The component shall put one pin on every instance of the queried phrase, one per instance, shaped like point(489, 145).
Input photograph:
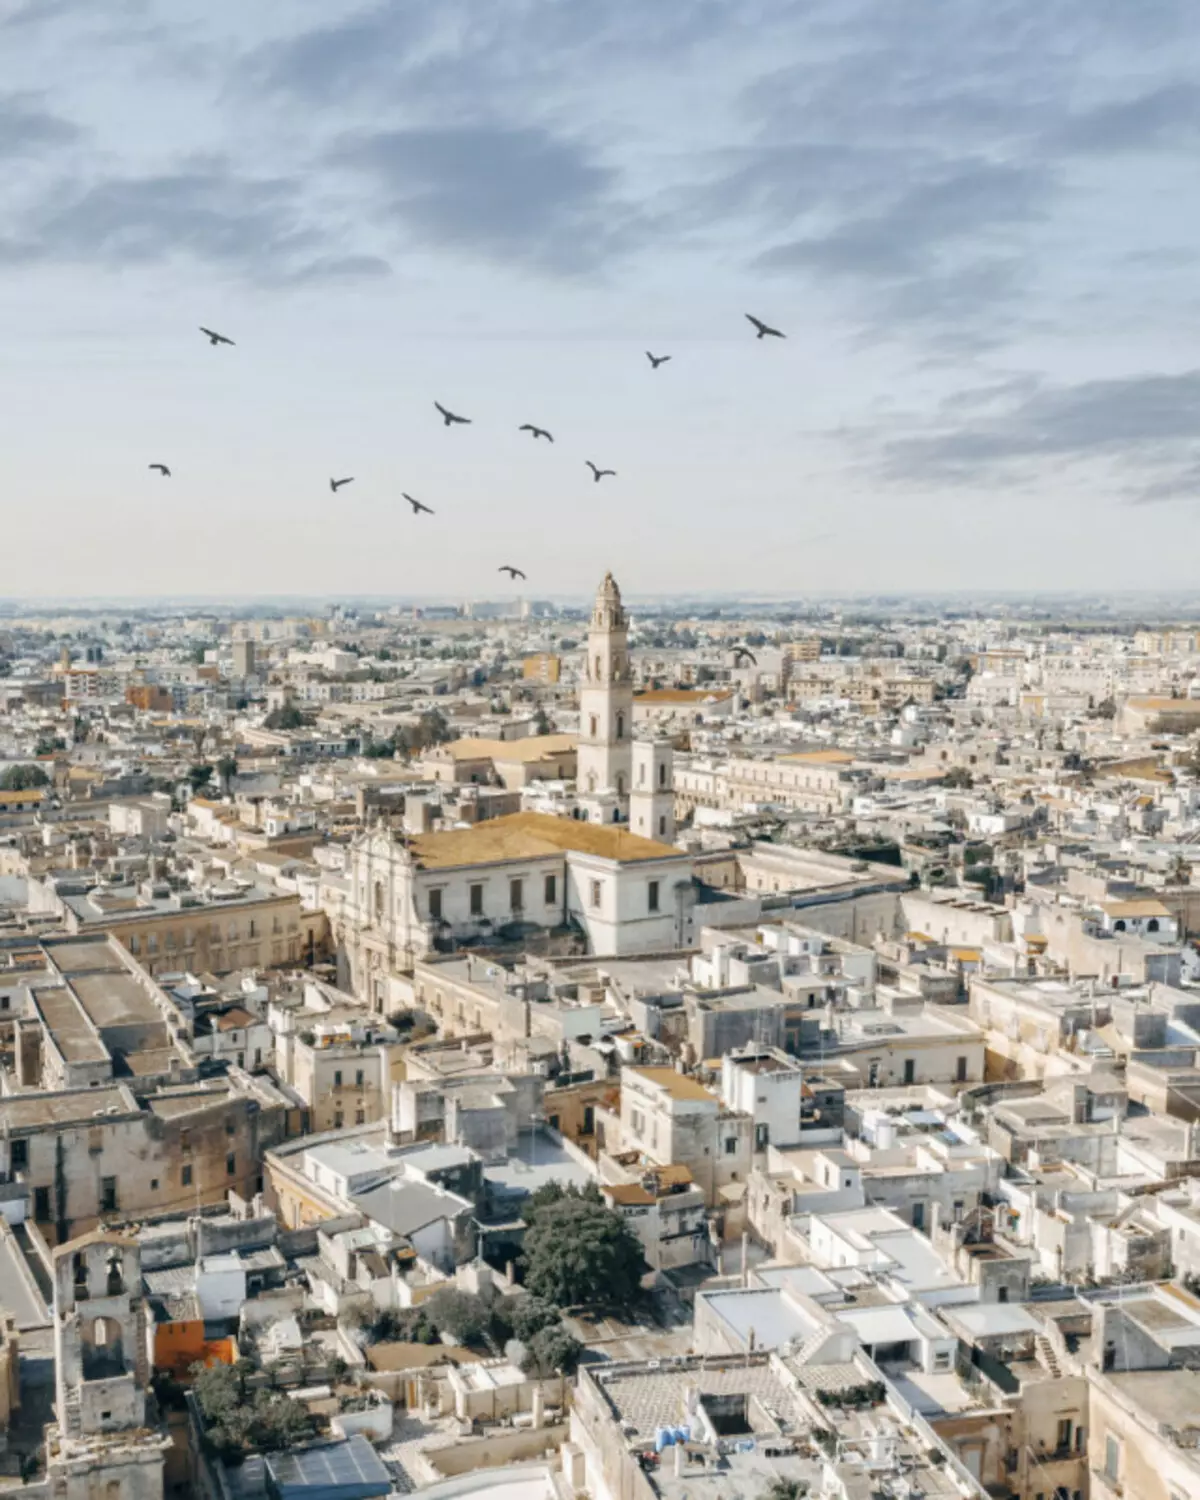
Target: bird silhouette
point(538, 432)
point(510, 570)
point(598, 474)
point(743, 651)
point(336, 484)
point(416, 505)
point(450, 418)
point(216, 338)
point(657, 359)
point(765, 331)
point(162, 469)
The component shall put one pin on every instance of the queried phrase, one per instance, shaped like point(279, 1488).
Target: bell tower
point(606, 710)
point(100, 1443)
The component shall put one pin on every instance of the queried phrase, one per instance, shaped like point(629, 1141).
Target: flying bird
point(765, 331)
point(598, 474)
point(162, 469)
point(416, 505)
point(657, 359)
point(538, 432)
point(510, 570)
point(336, 484)
point(743, 651)
point(449, 417)
point(216, 338)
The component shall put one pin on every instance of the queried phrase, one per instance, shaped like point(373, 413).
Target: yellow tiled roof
point(678, 1085)
point(1144, 908)
point(821, 757)
point(535, 747)
point(530, 835)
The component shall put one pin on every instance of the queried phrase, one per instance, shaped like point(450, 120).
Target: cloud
point(516, 194)
point(1144, 426)
point(251, 227)
point(26, 129)
point(1165, 118)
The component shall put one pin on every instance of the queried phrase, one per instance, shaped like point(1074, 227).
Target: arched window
point(620, 726)
point(1152, 925)
point(598, 669)
point(1119, 925)
point(116, 1274)
point(662, 774)
point(591, 781)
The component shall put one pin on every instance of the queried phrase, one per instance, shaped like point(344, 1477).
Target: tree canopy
point(238, 1421)
point(579, 1251)
point(23, 779)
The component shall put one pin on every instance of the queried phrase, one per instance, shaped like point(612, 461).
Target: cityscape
point(599, 750)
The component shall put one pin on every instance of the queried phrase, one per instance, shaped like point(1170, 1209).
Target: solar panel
point(349, 1470)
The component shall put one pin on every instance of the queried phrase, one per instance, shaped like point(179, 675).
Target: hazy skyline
point(975, 222)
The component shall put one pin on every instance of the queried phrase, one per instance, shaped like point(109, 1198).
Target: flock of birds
point(453, 419)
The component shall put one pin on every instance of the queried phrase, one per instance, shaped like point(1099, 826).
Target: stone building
point(99, 1446)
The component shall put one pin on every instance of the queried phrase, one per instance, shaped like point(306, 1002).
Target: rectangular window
point(1112, 1459)
point(337, 1078)
point(360, 1117)
point(1064, 1434)
point(154, 1184)
point(185, 1174)
point(185, 1142)
point(516, 896)
point(19, 1155)
point(551, 890)
point(435, 906)
point(653, 895)
point(477, 900)
point(358, 1077)
point(730, 1145)
point(961, 1071)
point(337, 1119)
point(41, 1204)
point(910, 1070)
point(231, 1165)
point(595, 893)
point(108, 1195)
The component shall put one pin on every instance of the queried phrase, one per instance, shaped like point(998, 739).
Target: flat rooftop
point(67, 1024)
point(31, 1111)
point(116, 1000)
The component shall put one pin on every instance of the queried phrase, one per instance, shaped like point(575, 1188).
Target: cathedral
point(620, 779)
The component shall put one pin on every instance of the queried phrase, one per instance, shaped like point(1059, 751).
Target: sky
point(975, 220)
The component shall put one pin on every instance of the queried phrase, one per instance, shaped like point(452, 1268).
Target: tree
point(541, 723)
point(1106, 709)
point(237, 1422)
point(579, 1251)
point(23, 779)
point(530, 1315)
point(959, 777)
point(481, 1321)
point(782, 1488)
point(227, 768)
point(551, 1351)
point(287, 717)
point(552, 1193)
point(199, 777)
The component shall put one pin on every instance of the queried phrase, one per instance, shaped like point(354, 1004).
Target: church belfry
point(606, 710)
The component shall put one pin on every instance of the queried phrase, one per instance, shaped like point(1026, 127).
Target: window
point(595, 893)
point(637, 1120)
point(251, 930)
point(134, 942)
point(435, 906)
point(337, 1078)
point(108, 1195)
point(1002, 1294)
point(41, 1204)
point(516, 896)
point(662, 774)
point(1112, 1458)
point(231, 1164)
point(185, 1174)
point(599, 673)
point(477, 900)
point(230, 1127)
point(960, 1072)
point(620, 726)
point(154, 1184)
point(19, 1155)
point(652, 895)
point(551, 890)
point(642, 774)
point(360, 1116)
point(1064, 1434)
point(594, 724)
point(662, 826)
point(730, 1145)
point(910, 1070)
point(358, 1077)
point(337, 1119)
